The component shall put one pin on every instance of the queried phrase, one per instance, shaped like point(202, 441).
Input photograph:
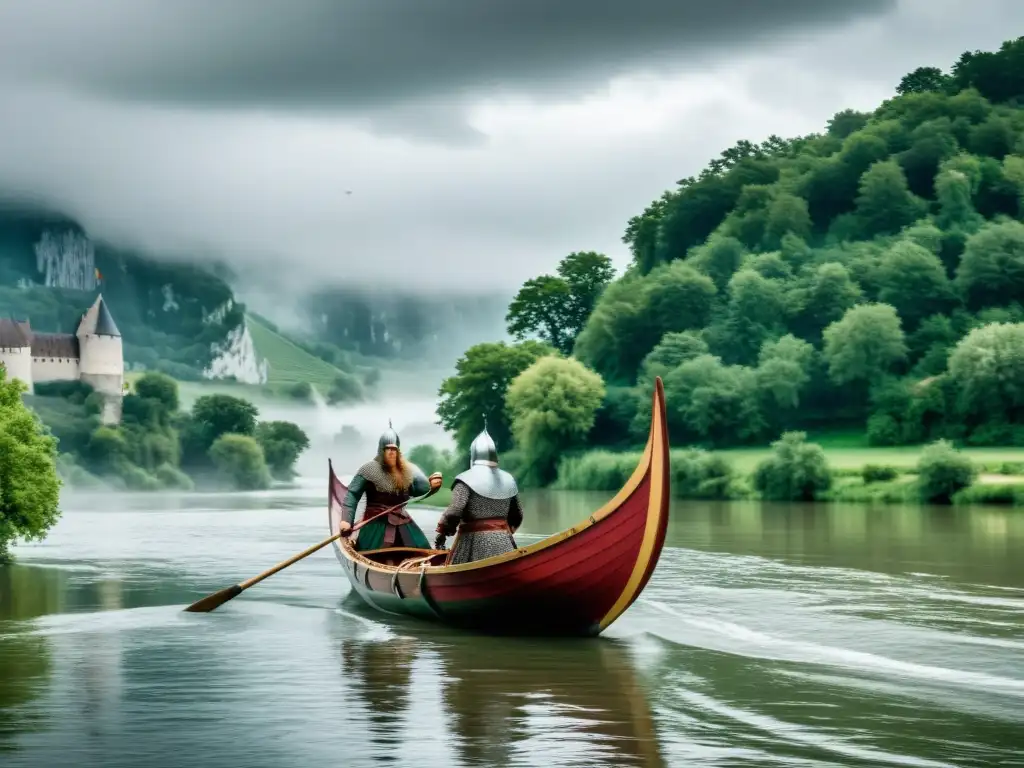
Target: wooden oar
point(217, 599)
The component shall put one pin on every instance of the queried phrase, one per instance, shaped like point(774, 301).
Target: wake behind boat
point(576, 582)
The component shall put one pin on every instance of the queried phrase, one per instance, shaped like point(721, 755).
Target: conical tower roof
point(98, 321)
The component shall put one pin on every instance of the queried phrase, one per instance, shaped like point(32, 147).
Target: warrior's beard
point(397, 470)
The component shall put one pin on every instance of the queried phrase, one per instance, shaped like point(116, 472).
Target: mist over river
point(769, 635)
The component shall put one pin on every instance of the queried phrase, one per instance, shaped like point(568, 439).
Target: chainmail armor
point(468, 505)
point(375, 473)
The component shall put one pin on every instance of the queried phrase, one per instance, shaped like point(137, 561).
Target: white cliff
point(236, 357)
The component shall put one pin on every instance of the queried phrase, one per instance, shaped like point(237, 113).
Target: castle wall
point(18, 361)
point(54, 369)
point(102, 356)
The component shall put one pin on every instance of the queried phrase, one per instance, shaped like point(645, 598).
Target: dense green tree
point(997, 75)
point(282, 443)
point(634, 314)
point(822, 298)
point(865, 344)
point(555, 308)
point(477, 390)
point(756, 311)
point(913, 280)
point(826, 280)
point(991, 270)
point(710, 402)
point(923, 80)
point(160, 388)
point(541, 308)
point(987, 366)
point(553, 404)
point(29, 485)
point(212, 416)
point(885, 203)
point(673, 350)
point(719, 259)
point(783, 370)
point(239, 459)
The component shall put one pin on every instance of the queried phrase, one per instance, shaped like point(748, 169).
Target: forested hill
point(179, 317)
point(174, 316)
point(870, 275)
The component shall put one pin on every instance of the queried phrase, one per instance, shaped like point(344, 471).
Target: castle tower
point(102, 357)
point(16, 350)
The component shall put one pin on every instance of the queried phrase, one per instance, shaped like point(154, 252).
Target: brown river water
point(794, 635)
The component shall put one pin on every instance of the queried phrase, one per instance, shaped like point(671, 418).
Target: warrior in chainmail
point(386, 480)
point(484, 510)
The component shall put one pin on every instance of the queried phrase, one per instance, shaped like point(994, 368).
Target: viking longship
point(576, 582)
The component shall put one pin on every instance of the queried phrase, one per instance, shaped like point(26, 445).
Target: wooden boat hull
point(576, 582)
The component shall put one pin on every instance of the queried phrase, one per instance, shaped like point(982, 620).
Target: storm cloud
point(368, 55)
point(432, 145)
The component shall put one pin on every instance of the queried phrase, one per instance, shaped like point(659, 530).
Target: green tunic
point(396, 529)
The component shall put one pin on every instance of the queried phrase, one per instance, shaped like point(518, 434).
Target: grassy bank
point(860, 473)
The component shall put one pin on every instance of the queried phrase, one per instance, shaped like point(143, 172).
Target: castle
point(93, 354)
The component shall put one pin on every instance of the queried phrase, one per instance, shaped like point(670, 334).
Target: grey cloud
point(265, 189)
point(367, 55)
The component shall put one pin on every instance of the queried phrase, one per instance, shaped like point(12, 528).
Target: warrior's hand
point(439, 541)
point(435, 481)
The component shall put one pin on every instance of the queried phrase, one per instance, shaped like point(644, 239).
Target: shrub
point(282, 443)
point(796, 470)
point(300, 390)
point(873, 473)
point(1006, 494)
point(942, 471)
point(345, 389)
point(697, 474)
point(73, 391)
point(596, 471)
point(240, 459)
point(172, 477)
point(137, 479)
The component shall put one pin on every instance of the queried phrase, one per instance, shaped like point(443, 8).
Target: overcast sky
point(426, 142)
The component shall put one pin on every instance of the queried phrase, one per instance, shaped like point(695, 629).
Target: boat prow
point(576, 582)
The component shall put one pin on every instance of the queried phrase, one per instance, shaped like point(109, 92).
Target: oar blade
point(216, 600)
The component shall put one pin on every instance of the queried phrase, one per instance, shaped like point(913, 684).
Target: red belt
point(486, 524)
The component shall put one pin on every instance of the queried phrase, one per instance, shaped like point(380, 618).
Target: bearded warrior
point(387, 479)
point(484, 510)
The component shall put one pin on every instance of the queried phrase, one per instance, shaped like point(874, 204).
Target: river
point(794, 635)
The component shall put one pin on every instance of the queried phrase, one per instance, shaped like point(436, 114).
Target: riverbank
point(860, 473)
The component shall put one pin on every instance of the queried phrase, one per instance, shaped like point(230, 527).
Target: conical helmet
point(482, 450)
point(388, 439)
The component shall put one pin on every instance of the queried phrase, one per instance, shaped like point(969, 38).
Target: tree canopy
point(29, 484)
point(869, 275)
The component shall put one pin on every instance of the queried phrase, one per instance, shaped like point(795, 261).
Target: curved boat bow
point(576, 582)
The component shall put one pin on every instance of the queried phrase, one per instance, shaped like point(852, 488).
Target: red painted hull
point(576, 582)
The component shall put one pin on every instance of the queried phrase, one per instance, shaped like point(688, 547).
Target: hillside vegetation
point(867, 277)
point(287, 362)
point(173, 315)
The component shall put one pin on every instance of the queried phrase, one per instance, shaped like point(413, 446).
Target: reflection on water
point(25, 659)
point(769, 635)
point(504, 701)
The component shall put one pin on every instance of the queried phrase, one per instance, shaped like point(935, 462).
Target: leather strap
point(487, 524)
